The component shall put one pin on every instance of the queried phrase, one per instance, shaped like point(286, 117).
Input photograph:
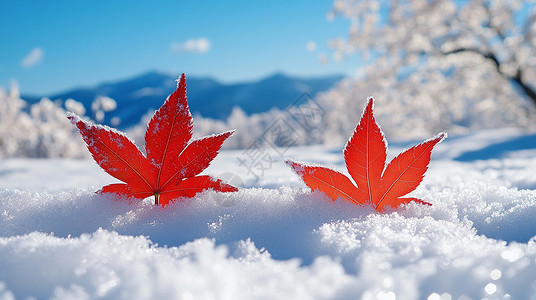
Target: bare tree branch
point(518, 78)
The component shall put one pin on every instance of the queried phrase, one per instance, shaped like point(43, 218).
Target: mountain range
point(206, 96)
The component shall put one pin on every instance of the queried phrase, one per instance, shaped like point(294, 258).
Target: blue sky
point(49, 46)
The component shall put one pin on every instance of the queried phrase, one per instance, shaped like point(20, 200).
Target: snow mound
point(392, 255)
point(59, 240)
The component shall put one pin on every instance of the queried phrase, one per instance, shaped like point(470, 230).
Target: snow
point(274, 239)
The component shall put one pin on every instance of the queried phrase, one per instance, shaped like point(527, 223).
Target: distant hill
point(206, 96)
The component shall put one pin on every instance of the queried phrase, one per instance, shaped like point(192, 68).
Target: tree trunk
point(528, 90)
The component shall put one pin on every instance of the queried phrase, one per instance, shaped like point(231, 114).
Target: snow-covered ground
point(274, 239)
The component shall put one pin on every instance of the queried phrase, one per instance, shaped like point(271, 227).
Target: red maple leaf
point(365, 155)
point(173, 162)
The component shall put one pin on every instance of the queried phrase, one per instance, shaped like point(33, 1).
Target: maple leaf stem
point(156, 196)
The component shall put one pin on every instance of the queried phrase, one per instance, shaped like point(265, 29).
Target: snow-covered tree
point(249, 129)
point(437, 65)
point(41, 130)
point(13, 122)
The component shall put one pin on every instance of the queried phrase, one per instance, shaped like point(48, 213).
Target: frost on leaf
point(173, 163)
point(365, 156)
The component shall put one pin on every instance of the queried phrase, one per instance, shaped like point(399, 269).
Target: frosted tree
point(442, 64)
point(252, 128)
point(102, 105)
point(41, 130)
point(14, 123)
point(51, 136)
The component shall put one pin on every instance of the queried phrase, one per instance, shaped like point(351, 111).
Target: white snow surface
point(274, 239)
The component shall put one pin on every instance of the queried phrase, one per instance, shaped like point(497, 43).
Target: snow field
point(274, 239)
